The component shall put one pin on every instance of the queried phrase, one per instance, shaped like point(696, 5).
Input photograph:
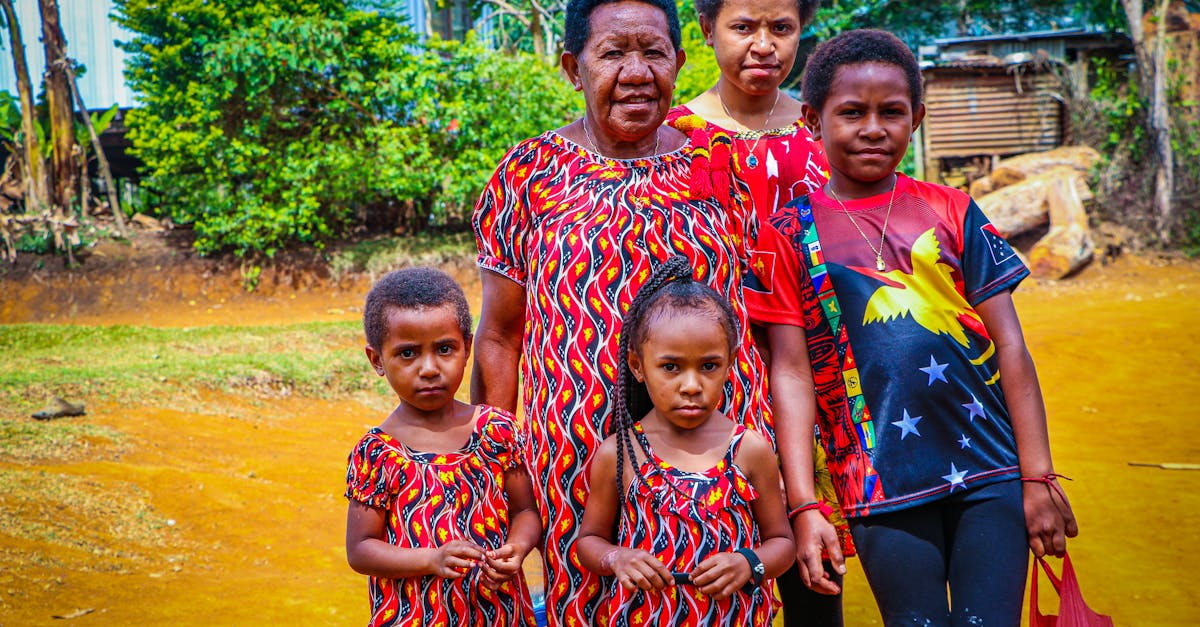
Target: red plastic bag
point(1072, 611)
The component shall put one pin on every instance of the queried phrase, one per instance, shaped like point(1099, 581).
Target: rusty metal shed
point(993, 97)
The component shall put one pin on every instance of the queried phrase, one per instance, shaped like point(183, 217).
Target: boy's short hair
point(412, 288)
point(865, 45)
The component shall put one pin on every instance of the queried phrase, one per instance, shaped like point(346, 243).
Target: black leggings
point(973, 540)
point(804, 608)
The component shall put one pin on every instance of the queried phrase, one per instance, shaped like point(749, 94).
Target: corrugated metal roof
point(90, 35)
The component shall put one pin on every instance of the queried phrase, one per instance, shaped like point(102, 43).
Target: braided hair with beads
point(671, 288)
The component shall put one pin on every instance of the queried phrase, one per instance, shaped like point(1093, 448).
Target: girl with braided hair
point(691, 496)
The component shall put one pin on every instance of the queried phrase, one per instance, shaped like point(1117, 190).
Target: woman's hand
point(722, 574)
point(453, 559)
point(636, 569)
point(815, 534)
point(501, 565)
point(1049, 518)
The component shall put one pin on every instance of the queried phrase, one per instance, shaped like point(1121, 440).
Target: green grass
point(129, 364)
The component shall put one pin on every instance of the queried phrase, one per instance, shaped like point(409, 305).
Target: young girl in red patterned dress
point(693, 497)
point(441, 510)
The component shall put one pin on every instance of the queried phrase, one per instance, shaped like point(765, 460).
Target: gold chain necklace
point(883, 233)
point(751, 160)
point(592, 142)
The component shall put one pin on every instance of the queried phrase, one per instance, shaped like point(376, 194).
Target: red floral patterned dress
point(582, 233)
point(432, 499)
point(682, 518)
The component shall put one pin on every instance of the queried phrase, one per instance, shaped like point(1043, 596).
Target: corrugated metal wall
point(981, 112)
point(90, 34)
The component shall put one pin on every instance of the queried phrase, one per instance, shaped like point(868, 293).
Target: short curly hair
point(865, 45)
point(578, 25)
point(709, 9)
point(412, 288)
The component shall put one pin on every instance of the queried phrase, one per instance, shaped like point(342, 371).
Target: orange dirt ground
point(253, 486)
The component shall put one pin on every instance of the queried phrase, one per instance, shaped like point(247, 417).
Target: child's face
point(755, 42)
point(866, 124)
point(423, 355)
point(684, 362)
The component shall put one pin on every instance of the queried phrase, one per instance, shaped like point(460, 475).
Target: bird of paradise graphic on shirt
point(928, 295)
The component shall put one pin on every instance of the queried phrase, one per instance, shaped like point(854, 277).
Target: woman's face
point(755, 42)
point(626, 69)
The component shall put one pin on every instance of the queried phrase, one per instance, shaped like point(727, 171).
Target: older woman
point(569, 227)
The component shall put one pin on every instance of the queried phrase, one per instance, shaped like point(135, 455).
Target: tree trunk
point(539, 37)
point(113, 203)
point(1152, 69)
point(58, 104)
point(36, 188)
point(1160, 125)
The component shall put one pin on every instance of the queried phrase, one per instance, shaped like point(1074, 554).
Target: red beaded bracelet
point(803, 508)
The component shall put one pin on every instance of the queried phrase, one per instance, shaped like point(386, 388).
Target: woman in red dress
point(570, 226)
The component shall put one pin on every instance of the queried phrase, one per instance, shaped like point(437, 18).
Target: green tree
point(271, 123)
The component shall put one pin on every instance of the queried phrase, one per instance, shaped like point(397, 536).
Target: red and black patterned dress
point(432, 499)
point(682, 518)
point(582, 233)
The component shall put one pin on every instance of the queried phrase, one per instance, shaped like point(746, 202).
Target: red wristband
point(1048, 479)
point(803, 508)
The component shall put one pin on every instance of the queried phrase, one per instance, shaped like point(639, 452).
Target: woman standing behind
point(755, 43)
point(569, 228)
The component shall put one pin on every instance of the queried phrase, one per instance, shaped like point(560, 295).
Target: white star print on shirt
point(955, 477)
point(935, 371)
point(976, 409)
point(908, 425)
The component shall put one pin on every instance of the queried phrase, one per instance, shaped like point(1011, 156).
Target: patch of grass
point(382, 255)
point(130, 364)
point(26, 440)
point(43, 507)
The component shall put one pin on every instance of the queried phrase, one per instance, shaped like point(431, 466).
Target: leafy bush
point(268, 123)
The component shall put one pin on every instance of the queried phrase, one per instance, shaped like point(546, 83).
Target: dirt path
point(242, 497)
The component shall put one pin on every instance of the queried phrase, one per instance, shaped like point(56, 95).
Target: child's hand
point(1049, 519)
point(814, 533)
point(453, 559)
point(722, 574)
point(501, 565)
point(636, 569)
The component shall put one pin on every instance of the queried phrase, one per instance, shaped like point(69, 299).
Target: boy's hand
point(722, 574)
point(636, 569)
point(814, 533)
point(501, 565)
point(453, 559)
point(1049, 519)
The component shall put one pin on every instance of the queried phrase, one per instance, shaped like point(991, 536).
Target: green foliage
point(274, 122)
point(701, 70)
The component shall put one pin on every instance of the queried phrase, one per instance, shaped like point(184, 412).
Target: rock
point(146, 222)
point(59, 409)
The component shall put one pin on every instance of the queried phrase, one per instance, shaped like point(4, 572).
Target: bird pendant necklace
point(883, 232)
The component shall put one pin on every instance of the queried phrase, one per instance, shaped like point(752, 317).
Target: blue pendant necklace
point(751, 159)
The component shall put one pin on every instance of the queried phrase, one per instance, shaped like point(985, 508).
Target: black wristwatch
point(757, 570)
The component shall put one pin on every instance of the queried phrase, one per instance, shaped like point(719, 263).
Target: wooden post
point(105, 171)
